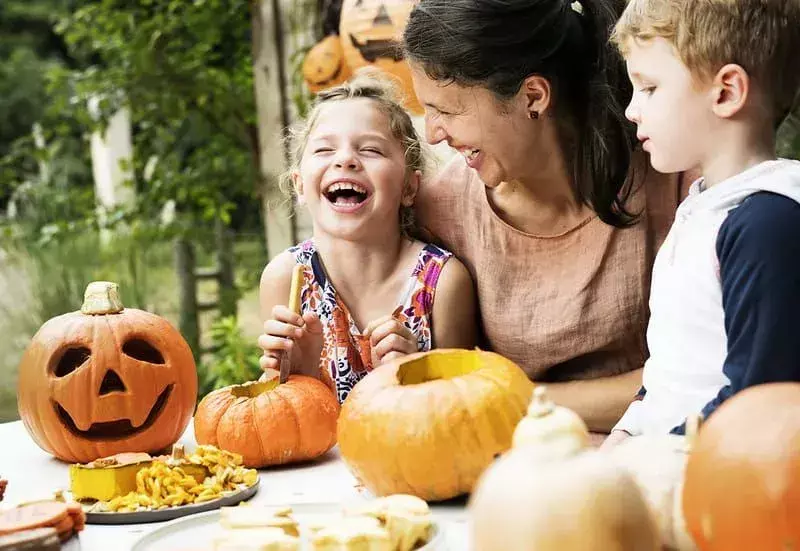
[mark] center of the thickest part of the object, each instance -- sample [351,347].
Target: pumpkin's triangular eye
[142,350]
[383,17]
[111,383]
[70,360]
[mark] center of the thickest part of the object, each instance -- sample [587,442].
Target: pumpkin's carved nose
[382,18]
[111,383]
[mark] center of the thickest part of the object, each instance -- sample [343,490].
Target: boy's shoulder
[763,220]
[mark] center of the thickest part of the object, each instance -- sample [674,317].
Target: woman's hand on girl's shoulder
[455,316]
[286,332]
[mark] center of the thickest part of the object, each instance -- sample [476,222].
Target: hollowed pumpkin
[370,31]
[268,423]
[106,380]
[742,485]
[428,424]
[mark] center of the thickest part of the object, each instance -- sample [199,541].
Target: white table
[33,474]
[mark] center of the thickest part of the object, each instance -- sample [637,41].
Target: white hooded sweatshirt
[725,298]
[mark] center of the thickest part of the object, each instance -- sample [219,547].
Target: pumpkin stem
[541,405]
[178,452]
[100,298]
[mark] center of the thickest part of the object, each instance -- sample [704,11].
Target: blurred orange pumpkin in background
[325,66]
[371,32]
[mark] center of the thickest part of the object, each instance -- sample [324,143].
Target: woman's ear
[297,184]
[731,89]
[411,188]
[537,95]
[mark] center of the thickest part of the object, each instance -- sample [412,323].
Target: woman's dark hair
[499,43]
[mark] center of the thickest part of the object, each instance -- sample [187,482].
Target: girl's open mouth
[346,196]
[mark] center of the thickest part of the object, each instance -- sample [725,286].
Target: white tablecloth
[33,474]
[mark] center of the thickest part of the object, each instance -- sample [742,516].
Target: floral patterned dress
[346,353]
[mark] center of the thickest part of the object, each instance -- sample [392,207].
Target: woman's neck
[541,200]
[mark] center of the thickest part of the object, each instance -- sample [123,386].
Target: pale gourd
[586,502]
[551,431]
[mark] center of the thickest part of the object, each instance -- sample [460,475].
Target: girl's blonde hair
[369,84]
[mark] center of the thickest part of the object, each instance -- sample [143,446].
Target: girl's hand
[390,339]
[299,336]
[614,438]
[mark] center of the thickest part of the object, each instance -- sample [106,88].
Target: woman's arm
[600,402]
[455,321]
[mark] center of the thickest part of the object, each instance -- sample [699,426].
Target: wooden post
[272,106]
[187,294]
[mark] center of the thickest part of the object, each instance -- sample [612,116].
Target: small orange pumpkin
[324,66]
[106,380]
[268,423]
[370,32]
[428,424]
[742,485]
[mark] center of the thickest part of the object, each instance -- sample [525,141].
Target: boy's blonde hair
[370,84]
[762,36]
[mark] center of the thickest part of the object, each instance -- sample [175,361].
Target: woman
[555,216]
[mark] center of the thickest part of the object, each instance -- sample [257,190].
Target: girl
[369,288]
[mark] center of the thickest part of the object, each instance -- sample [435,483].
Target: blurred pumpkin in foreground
[742,486]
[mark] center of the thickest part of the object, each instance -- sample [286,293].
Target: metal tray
[160,515]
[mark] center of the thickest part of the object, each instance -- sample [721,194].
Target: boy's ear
[411,188]
[732,90]
[297,184]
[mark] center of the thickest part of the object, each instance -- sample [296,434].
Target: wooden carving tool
[294,306]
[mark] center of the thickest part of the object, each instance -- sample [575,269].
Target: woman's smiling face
[496,138]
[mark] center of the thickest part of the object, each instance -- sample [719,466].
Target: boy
[712,81]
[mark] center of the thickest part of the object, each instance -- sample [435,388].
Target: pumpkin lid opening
[433,367]
[254,388]
[100,298]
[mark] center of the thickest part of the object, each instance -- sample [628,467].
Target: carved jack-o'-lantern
[325,66]
[370,32]
[106,380]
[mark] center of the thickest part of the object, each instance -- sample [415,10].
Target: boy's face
[673,113]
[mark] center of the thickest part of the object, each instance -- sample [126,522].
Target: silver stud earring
[533,115]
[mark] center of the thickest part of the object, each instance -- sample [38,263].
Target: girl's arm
[455,319]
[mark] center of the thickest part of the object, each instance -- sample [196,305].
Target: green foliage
[789,136]
[234,360]
[184,69]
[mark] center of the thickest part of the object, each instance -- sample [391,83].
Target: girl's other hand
[290,333]
[390,339]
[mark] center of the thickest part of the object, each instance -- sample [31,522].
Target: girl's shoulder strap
[425,276]
[304,252]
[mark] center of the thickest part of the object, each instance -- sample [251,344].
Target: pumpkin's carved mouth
[372,50]
[112,430]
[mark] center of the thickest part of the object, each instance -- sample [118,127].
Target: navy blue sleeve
[758,247]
